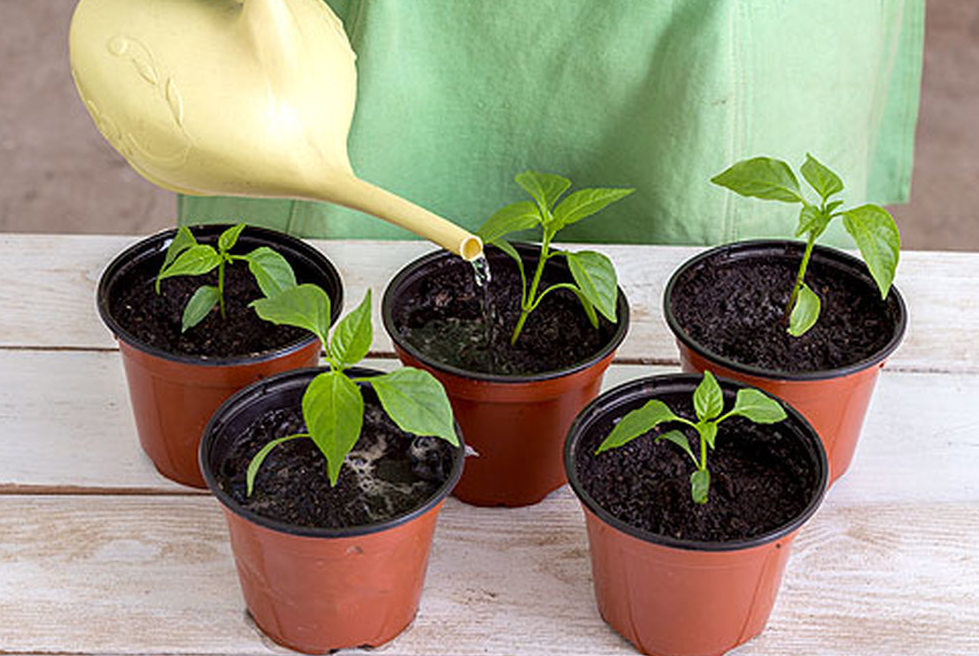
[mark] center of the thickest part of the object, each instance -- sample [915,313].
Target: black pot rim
[628,391]
[288,380]
[415,268]
[144,248]
[833,257]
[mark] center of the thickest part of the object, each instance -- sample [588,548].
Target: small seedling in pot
[186,257]
[873,229]
[708,402]
[332,405]
[595,281]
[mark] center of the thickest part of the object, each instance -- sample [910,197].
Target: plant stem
[801,275]
[526,308]
[221,288]
[703,454]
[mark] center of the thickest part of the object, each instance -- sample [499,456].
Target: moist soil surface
[388,473]
[155,320]
[454,321]
[735,309]
[761,478]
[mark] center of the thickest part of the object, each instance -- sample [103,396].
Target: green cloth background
[456,97]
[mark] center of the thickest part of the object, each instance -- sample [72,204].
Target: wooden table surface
[101,555]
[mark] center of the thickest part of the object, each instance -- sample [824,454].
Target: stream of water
[483,276]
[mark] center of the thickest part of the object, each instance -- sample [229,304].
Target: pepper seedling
[873,229]
[595,281]
[708,402]
[332,405]
[186,257]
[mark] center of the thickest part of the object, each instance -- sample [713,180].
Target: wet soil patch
[155,319]
[735,309]
[761,478]
[452,320]
[388,473]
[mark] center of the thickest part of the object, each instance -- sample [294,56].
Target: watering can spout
[234,97]
[353,192]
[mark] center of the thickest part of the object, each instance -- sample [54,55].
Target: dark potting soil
[155,320]
[761,478]
[735,309]
[388,472]
[448,317]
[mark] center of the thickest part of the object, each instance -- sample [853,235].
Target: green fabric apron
[455,98]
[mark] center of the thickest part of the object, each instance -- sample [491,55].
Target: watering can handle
[285,66]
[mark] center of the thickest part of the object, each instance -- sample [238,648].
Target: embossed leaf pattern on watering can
[234,97]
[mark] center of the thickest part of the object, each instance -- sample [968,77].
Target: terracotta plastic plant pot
[173,396]
[314,589]
[516,424]
[672,597]
[834,401]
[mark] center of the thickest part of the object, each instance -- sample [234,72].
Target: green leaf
[259,458]
[305,306]
[202,302]
[353,335]
[334,412]
[416,401]
[832,206]
[512,218]
[546,188]
[636,423]
[811,220]
[508,248]
[876,235]
[678,438]
[757,407]
[588,307]
[708,399]
[229,237]
[585,202]
[761,177]
[700,485]
[194,261]
[805,312]
[825,182]
[272,271]
[183,240]
[597,280]
[708,431]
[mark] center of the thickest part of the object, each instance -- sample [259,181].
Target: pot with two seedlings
[521,350]
[809,324]
[331,481]
[179,305]
[693,490]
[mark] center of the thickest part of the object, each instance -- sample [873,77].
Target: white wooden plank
[47,289]
[47,285]
[66,424]
[48,282]
[887,578]
[154,575]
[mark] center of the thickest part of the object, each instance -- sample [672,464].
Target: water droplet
[481,271]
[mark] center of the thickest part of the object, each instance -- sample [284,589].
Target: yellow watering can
[234,97]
